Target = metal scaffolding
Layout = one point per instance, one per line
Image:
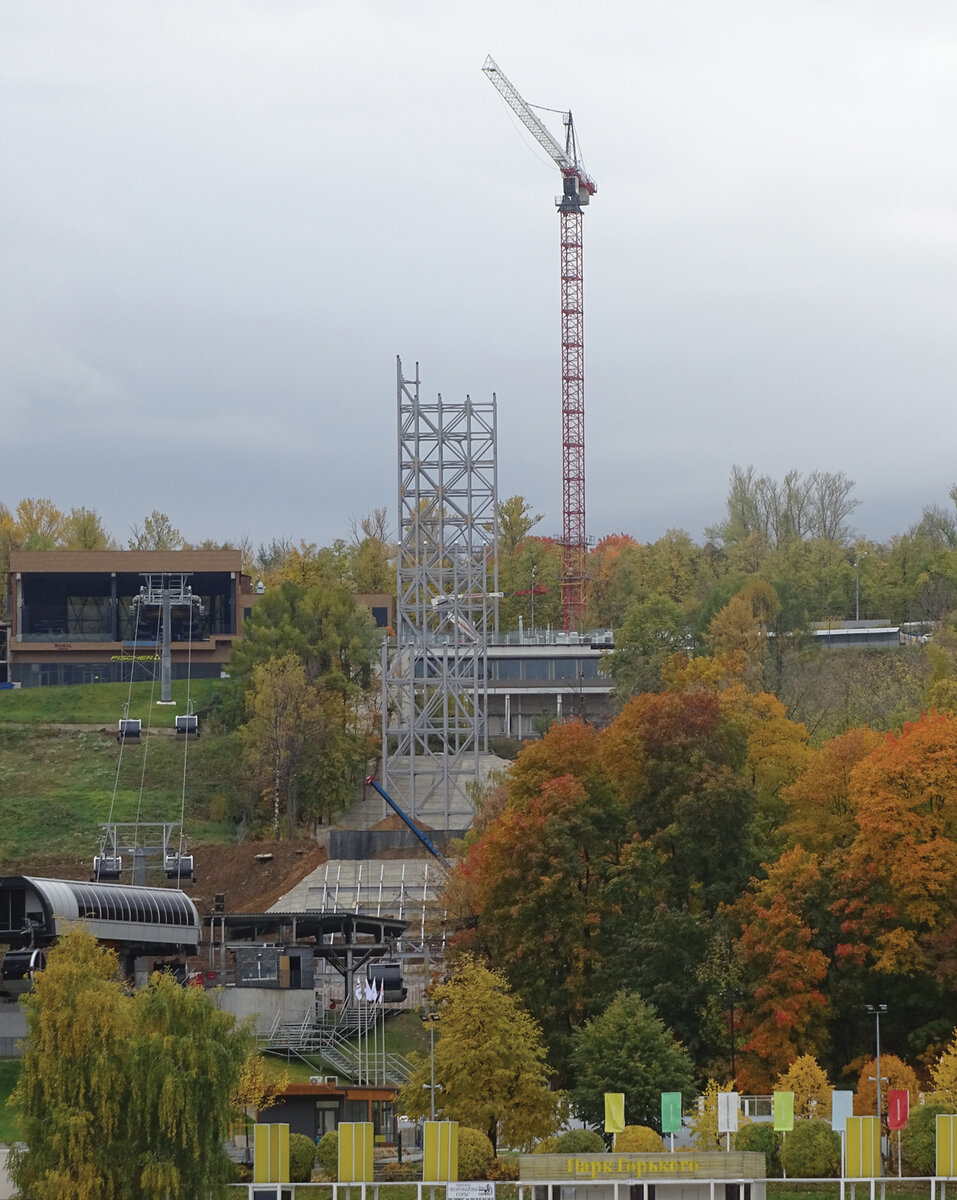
(433, 675)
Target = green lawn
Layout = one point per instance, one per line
(9, 1074)
(58, 787)
(102, 703)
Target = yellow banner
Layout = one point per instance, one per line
(863, 1148)
(271, 1154)
(946, 1145)
(440, 1152)
(356, 1140)
(614, 1112)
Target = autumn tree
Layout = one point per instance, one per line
(900, 868)
(895, 1073)
(809, 1083)
(156, 533)
(282, 734)
(820, 814)
(943, 1076)
(39, 524)
(122, 1097)
(628, 1049)
(83, 530)
(782, 970)
(489, 1061)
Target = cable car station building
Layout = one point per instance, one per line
(72, 618)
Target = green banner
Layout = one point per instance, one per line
(784, 1111)
(670, 1112)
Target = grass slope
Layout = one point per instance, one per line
(102, 703)
(60, 783)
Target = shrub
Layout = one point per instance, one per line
(475, 1153)
(547, 1145)
(638, 1139)
(919, 1139)
(580, 1141)
(402, 1172)
(811, 1149)
(327, 1152)
(760, 1137)
(302, 1153)
(502, 1170)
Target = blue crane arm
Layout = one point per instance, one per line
(426, 842)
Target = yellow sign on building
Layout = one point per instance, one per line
(440, 1152)
(946, 1145)
(356, 1140)
(863, 1148)
(271, 1154)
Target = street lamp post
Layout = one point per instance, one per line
(857, 586)
(875, 1010)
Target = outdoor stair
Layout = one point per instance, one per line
(331, 1041)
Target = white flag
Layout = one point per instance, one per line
(381, 989)
(370, 990)
(358, 989)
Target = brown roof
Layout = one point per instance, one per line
(82, 561)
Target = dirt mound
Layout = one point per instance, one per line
(251, 876)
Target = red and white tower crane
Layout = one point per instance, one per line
(578, 187)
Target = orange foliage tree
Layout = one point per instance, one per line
(782, 970)
(901, 866)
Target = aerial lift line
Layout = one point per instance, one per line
(578, 187)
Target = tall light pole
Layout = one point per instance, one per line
(857, 586)
(875, 1010)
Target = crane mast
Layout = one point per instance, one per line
(577, 189)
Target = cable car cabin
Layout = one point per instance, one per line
(138, 921)
(187, 725)
(390, 976)
(17, 969)
(129, 729)
(107, 867)
(179, 866)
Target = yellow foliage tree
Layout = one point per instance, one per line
(638, 1139)
(943, 1076)
(812, 1092)
(704, 1122)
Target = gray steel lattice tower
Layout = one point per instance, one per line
(434, 728)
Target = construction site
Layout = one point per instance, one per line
(363, 931)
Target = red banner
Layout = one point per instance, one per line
(898, 1103)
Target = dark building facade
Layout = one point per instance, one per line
(72, 619)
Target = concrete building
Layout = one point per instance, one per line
(534, 678)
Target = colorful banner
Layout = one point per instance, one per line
(898, 1108)
(670, 1112)
(440, 1152)
(946, 1145)
(783, 1111)
(614, 1112)
(842, 1107)
(728, 1112)
(863, 1148)
(271, 1154)
(356, 1140)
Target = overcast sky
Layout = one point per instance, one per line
(221, 222)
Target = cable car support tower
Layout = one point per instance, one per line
(577, 189)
